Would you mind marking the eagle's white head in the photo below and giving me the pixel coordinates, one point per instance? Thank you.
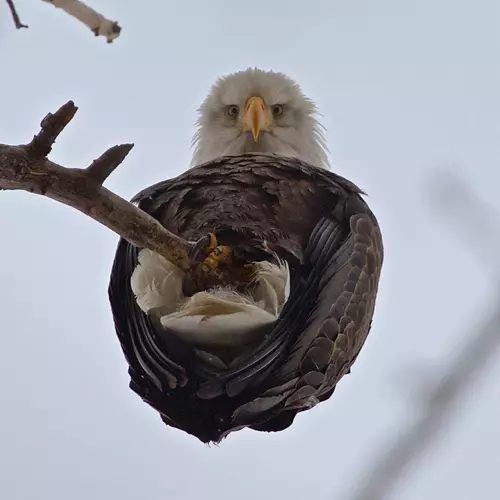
(258, 111)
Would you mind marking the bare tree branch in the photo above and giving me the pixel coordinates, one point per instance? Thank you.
(15, 15)
(96, 22)
(52, 125)
(101, 168)
(440, 400)
(26, 168)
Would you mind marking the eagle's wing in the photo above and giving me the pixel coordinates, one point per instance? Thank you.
(339, 297)
(334, 245)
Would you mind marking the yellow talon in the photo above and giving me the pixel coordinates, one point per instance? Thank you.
(212, 245)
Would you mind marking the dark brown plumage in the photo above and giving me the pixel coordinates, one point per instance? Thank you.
(311, 217)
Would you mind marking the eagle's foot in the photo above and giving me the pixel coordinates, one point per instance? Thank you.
(213, 264)
(215, 254)
(203, 246)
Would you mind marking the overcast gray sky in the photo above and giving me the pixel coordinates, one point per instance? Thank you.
(403, 87)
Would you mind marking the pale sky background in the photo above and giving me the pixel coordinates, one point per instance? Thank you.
(403, 86)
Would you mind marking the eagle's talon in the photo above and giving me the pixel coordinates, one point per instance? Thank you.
(212, 244)
(205, 245)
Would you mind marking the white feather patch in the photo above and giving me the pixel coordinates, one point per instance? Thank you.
(273, 285)
(157, 283)
(220, 316)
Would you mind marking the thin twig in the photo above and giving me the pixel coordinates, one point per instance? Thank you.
(15, 15)
(26, 168)
(101, 168)
(51, 126)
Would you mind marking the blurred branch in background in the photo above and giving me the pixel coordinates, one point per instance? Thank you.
(96, 22)
(475, 220)
(441, 400)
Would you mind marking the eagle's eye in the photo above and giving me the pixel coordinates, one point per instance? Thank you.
(232, 110)
(277, 110)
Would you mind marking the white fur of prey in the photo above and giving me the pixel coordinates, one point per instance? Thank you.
(217, 317)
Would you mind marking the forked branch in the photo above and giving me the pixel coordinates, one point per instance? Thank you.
(27, 168)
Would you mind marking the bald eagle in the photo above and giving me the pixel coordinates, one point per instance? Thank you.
(286, 264)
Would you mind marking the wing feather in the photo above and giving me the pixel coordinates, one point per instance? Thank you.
(337, 328)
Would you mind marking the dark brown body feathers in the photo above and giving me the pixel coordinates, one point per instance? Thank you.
(315, 220)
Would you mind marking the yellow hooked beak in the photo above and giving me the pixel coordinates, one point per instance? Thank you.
(255, 117)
